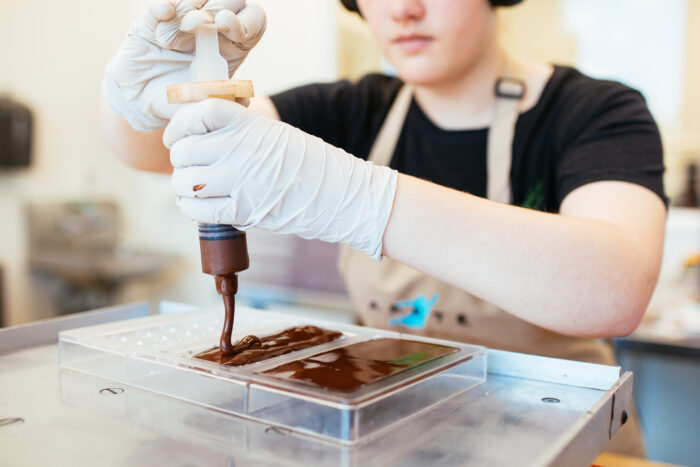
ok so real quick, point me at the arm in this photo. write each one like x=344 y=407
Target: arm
x=141 y=150
x=144 y=150
x=589 y=271
x=158 y=52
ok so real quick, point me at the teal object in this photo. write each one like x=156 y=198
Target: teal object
x=420 y=310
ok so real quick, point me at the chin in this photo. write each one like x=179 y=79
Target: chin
x=429 y=68
x=420 y=73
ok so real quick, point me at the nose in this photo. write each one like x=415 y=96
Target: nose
x=407 y=10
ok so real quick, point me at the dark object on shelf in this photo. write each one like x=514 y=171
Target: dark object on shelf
x=15 y=134
x=2 y=299
x=690 y=196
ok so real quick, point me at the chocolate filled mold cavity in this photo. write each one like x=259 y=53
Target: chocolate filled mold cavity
x=252 y=349
x=362 y=363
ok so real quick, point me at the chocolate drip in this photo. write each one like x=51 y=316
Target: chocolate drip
x=252 y=349
x=227 y=286
x=224 y=253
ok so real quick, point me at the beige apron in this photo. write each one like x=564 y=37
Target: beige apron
x=391 y=295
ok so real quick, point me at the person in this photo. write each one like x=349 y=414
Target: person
x=513 y=204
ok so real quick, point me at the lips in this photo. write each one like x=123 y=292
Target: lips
x=412 y=43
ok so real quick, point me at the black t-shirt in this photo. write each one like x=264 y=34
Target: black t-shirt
x=582 y=130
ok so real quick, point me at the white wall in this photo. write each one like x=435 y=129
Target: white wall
x=52 y=55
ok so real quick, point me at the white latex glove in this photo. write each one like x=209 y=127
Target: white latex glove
x=160 y=47
x=235 y=167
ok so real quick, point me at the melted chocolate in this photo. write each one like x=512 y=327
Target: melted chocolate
x=224 y=253
x=251 y=349
x=229 y=311
x=353 y=366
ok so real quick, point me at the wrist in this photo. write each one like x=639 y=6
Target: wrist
x=372 y=193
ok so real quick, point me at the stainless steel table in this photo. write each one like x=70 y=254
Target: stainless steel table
x=531 y=411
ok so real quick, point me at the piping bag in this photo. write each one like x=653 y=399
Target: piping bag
x=223 y=248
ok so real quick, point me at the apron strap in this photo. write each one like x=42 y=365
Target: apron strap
x=385 y=143
x=499 y=146
x=509 y=91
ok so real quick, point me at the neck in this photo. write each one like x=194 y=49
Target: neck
x=467 y=101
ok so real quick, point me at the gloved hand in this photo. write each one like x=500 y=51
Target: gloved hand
x=160 y=47
x=235 y=167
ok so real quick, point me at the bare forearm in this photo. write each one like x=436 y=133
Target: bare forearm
x=144 y=150
x=570 y=275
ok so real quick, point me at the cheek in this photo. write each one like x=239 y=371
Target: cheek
x=470 y=27
x=378 y=21
x=465 y=37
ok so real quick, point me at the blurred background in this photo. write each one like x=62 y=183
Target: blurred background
x=80 y=230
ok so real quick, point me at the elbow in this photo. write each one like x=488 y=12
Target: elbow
x=629 y=319
x=632 y=286
x=627 y=307
x=620 y=321
x=614 y=310
x=613 y=320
